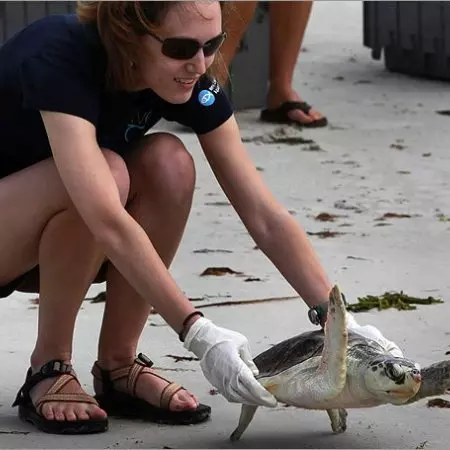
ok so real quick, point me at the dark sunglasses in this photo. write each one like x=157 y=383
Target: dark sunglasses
x=187 y=48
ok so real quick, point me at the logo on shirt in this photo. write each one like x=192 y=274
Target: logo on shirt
x=206 y=98
x=137 y=125
x=215 y=87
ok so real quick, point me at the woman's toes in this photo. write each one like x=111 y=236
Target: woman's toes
x=194 y=399
x=70 y=415
x=96 y=412
x=316 y=115
x=300 y=116
x=59 y=412
x=183 y=401
x=82 y=415
x=47 y=412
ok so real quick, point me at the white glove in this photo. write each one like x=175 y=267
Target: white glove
x=226 y=363
x=371 y=332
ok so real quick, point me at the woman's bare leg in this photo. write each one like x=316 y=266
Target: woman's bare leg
x=40 y=226
x=162 y=185
x=288 y=22
x=236 y=26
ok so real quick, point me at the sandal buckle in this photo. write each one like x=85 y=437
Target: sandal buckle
x=58 y=366
x=52 y=368
x=144 y=360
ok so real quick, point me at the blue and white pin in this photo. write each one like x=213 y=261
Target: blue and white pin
x=206 y=98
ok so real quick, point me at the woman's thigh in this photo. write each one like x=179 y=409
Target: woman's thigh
x=28 y=199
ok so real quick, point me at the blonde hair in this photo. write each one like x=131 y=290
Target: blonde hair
x=120 y=25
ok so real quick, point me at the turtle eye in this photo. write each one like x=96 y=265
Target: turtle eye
x=395 y=372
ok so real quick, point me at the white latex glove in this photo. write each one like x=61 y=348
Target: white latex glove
x=226 y=363
x=373 y=333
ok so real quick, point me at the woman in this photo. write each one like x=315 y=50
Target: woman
x=86 y=197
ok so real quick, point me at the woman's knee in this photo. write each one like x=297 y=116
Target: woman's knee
x=119 y=172
x=163 y=163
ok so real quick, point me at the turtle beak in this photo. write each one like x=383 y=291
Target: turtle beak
x=417 y=377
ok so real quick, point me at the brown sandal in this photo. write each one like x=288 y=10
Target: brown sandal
x=127 y=405
x=28 y=412
x=280 y=115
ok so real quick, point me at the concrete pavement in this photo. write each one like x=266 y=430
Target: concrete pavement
x=386 y=151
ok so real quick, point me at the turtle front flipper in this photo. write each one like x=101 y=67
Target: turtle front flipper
x=338 y=419
x=330 y=377
x=317 y=381
x=247 y=413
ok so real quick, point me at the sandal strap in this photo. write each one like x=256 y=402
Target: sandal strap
x=293 y=105
x=66 y=398
x=135 y=371
x=60 y=382
x=140 y=366
x=168 y=392
x=102 y=375
x=51 y=369
x=130 y=372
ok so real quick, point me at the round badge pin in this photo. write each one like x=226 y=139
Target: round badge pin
x=206 y=98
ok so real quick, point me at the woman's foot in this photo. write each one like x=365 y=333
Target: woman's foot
x=61 y=410
x=130 y=388
x=287 y=106
x=52 y=400
x=149 y=387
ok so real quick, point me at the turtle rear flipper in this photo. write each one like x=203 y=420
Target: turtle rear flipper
x=338 y=419
x=247 y=413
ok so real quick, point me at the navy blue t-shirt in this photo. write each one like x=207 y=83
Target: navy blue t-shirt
x=58 y=64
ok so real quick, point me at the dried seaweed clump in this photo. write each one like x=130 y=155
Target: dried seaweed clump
x=398 y=300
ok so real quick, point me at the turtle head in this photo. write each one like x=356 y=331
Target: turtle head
x=393 y=380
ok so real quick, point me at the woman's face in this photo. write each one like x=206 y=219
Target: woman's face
x=172 y=79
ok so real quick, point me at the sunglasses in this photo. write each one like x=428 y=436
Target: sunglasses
x=187 y=48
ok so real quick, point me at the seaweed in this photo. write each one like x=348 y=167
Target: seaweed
x=219 y=271
x=326 y=217
x=248 y=302
x=182 y=358
x=398 y=300
x=325 y=234
x=393 y=215
x=283 y=135
x=439 y=403
x=209 y=250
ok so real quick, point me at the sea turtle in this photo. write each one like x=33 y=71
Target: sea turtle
x=336 y=368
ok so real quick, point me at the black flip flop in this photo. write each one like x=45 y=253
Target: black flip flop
x=30 y=413
x=128 y=406
x=280 y=115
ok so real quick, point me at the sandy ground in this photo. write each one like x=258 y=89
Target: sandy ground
x=386 y=151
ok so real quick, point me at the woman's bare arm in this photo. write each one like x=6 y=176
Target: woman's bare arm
x=272 y=227
x=91 y=186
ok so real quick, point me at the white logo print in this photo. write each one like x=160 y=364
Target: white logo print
x=137 y=125
x=214 y=87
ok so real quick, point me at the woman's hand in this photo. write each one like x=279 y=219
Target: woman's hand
x=227 y=364
x=371 y=332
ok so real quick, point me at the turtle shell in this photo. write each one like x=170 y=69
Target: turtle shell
x=297 y=349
